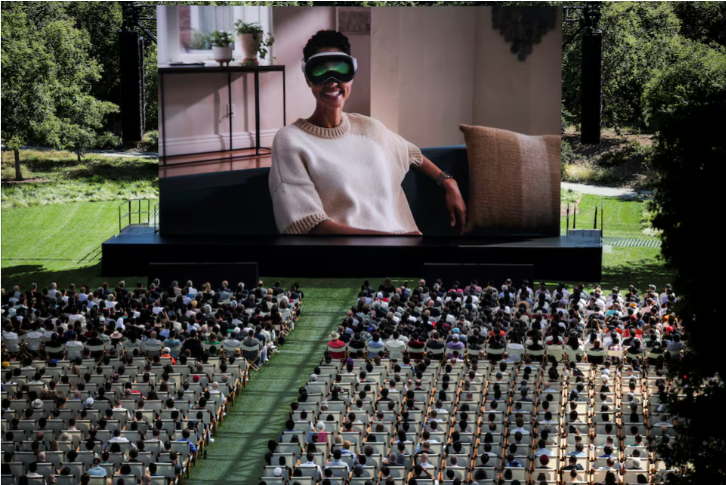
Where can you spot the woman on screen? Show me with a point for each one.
(341, 173)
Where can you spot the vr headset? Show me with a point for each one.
(329, 65)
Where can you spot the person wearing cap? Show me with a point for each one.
(454, 344)
(166, 355)
(336, 346)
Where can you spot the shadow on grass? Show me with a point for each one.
(639, 273)
(24, 275)
(102, 170)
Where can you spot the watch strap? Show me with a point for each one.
(442, 176)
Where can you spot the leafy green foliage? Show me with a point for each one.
(702, 21)
(222, 39)
(242, 27)
(687, 159)
(151, 76)
(47, 79)
(695, 71)
(636, 35)
(254, 28)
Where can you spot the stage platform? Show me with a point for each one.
(577, 257)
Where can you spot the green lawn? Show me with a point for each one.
(59, 243)
(639, 266)
(56, 177)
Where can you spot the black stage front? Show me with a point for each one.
(567, 258)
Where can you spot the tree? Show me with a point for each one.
(695, 70)
(636, 40)
(47, 79)
(102, 22)
(688, 156)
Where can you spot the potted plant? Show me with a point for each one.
(222, 46)
(252, 41)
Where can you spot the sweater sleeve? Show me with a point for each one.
(295, 201)
(414, 154)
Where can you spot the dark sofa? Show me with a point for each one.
(239, 203)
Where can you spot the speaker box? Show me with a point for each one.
(591, 87)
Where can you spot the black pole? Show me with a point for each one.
(132, 80)
(574, 218)
(567, 223)
(595, 226)
(257, 112)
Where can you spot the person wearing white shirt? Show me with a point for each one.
(395, 346)
(543, 450)
(311, 464)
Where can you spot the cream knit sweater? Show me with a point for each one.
(350, 174)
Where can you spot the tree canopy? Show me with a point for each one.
(48, 77)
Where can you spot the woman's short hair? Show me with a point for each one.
(323, 39)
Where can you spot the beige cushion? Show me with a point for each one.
(514, 181)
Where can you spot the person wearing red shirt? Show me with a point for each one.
(336, 343)
(165, 354)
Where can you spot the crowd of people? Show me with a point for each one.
(488, 384)
(126, 386)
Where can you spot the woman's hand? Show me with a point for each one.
(455, 204)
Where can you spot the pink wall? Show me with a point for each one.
(435, 68)
(515, 95)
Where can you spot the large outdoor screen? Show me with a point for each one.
(440, 121)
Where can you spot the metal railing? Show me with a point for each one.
(601, 209)
(137, 216)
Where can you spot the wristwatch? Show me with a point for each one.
(443, 176)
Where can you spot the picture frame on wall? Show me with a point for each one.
(353, 20)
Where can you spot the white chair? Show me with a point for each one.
(230, 347)
(555, 351)
(13, 345)
(415, 353)
(252, 349)
(174, 350)
(572, 354)
(33, 343)
(495, 352)
(436, 353)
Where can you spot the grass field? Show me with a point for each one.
(639, 266)
(56, 243)
(56, 177)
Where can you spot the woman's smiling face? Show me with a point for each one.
(332, 94)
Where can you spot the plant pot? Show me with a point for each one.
(250, 45)
(222, 54)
